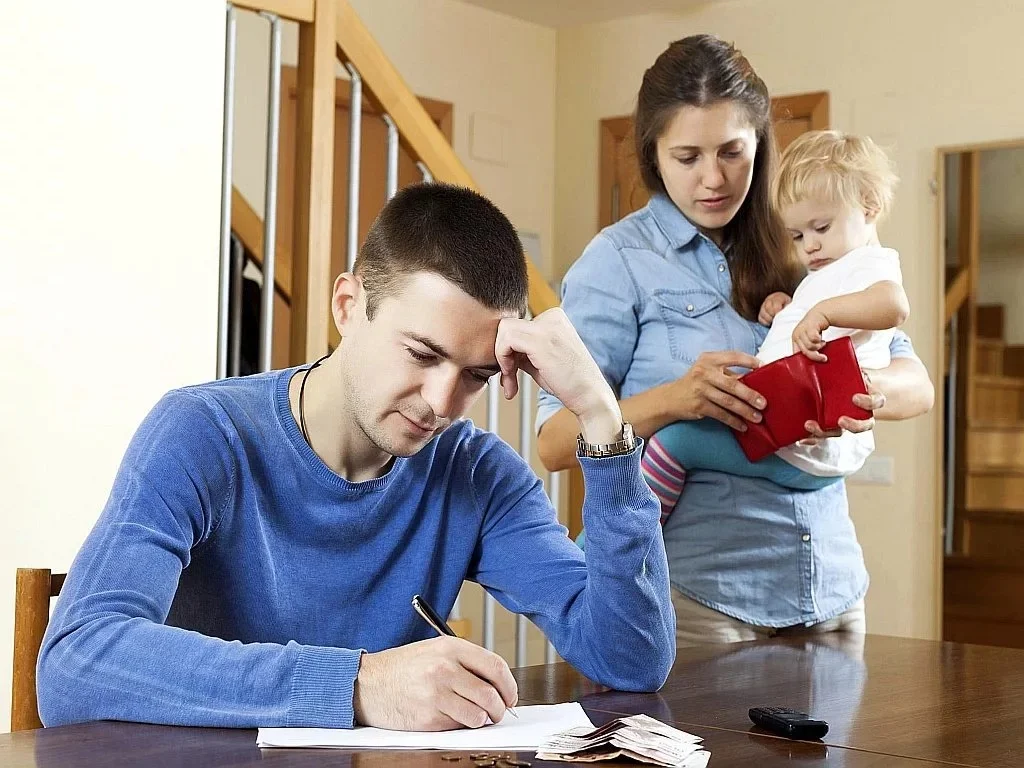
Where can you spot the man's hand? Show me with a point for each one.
(807, 334)
(771, 306)
(549, 349)
(433, 685)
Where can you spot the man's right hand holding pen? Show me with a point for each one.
(433, 685)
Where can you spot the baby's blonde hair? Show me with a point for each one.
(834, 166)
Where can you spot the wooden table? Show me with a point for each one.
(890, 703)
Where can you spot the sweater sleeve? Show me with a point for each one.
(608, 612)
(107, 653)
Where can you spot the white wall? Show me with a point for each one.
(484, 63)
(915, 75)
(109, 219)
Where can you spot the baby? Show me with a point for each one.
(832, 190)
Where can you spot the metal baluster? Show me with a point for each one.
(227, 147)
(526, 411)
(355, 127)
(270, 195)
(493, 402)
(391, 180)
(950, 511)
(237, 286)
(554, 493)
(427, 175)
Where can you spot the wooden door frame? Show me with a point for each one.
(613, 131)
(813, 107)
(968, 259)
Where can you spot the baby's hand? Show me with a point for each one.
(807, 335)
(771, 306)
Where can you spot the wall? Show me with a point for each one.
(1001, 278)
(915, 75)
(111, 165)
(488, 65)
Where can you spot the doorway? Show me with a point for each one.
(981, 458)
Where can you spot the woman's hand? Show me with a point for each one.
(872, 401)
(710, 389)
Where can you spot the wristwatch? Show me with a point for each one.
(604, 450)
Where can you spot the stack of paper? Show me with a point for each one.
(638, 737)
(535, 725)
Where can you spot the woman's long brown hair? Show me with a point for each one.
(700, 71)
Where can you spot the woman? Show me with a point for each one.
(658, 296)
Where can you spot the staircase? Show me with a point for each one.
(984, 576)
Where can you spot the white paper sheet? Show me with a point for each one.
(535, 725)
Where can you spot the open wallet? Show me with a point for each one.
(799, 390)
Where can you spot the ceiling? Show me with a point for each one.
(566, 13)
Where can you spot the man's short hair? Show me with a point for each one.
(453, 232)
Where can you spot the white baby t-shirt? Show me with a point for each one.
(857, 270)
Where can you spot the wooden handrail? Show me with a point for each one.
(956, 294)
(295, 10)
(248, 226)
(418, 132)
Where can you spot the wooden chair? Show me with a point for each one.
(32, 592)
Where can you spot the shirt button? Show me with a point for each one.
(806, 537)
(689, 307)
(721, 267)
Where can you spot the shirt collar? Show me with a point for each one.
(676, 227)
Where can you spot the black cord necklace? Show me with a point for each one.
(302, 392)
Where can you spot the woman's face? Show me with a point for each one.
(706, 160)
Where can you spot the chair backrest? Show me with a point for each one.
(32, 592)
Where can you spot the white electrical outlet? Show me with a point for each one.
(877, 470)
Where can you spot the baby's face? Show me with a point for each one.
(824, 231)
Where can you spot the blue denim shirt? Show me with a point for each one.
(648, 296)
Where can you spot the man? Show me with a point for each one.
(255, 562)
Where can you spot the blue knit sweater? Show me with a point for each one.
(233, 578)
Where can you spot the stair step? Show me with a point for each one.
(1001, 447)
(998, 398)
(1013, 360)
(995, 489)
(993, 534)
(988, 356)
(990, 380)
(990, 321)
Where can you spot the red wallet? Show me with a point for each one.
(799, 390)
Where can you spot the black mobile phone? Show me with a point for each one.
(788, 723)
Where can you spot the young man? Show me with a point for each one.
(256, 559)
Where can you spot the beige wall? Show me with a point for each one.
(109, 242)
(1001, 277)
(488, 65)
(914, 74)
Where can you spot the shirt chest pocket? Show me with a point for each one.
(694, 322)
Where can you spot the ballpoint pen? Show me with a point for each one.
(422, 607)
